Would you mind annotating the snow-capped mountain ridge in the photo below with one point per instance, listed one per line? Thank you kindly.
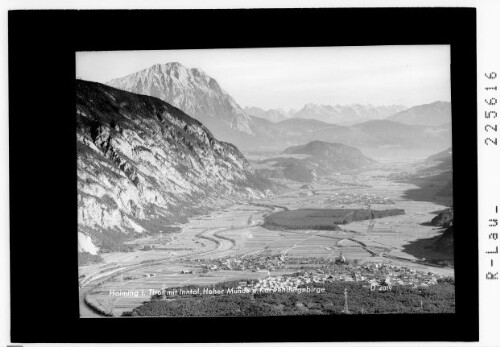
(334, 114)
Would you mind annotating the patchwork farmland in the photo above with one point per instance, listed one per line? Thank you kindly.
(234, 243)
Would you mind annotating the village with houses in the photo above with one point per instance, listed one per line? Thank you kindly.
(357, 198)
(290, 274)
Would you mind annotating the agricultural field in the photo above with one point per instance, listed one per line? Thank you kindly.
(239, 233)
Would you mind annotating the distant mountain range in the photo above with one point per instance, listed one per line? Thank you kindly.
(433, 114)
(144, 165)
(375, 138)
(338, 114)
(346, 114)
(377, 130)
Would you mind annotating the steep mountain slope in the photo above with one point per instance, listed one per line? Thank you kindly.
(195, 93)
(144, 165)
(445, 241)
(434, 178)
(323, 159)
(346, 114)
(443, 219)
(432, 114)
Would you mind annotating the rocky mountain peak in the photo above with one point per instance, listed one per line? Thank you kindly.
(194, 92)
(142, 163)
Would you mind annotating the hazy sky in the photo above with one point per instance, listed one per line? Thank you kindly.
(292, 77)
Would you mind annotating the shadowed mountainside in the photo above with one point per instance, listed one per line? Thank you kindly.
(443, 219)
(144, 164)
(444, 243)
(435, 181)
(438, 249)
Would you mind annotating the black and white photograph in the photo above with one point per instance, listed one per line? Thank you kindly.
(290, 181)
(265, 174)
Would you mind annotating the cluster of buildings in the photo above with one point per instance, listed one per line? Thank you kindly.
(316, 270)
(271, 262)
(373, 276)
(362, 199)
(398, 275)
(379, 274)
(347, 183)
(284, 283)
